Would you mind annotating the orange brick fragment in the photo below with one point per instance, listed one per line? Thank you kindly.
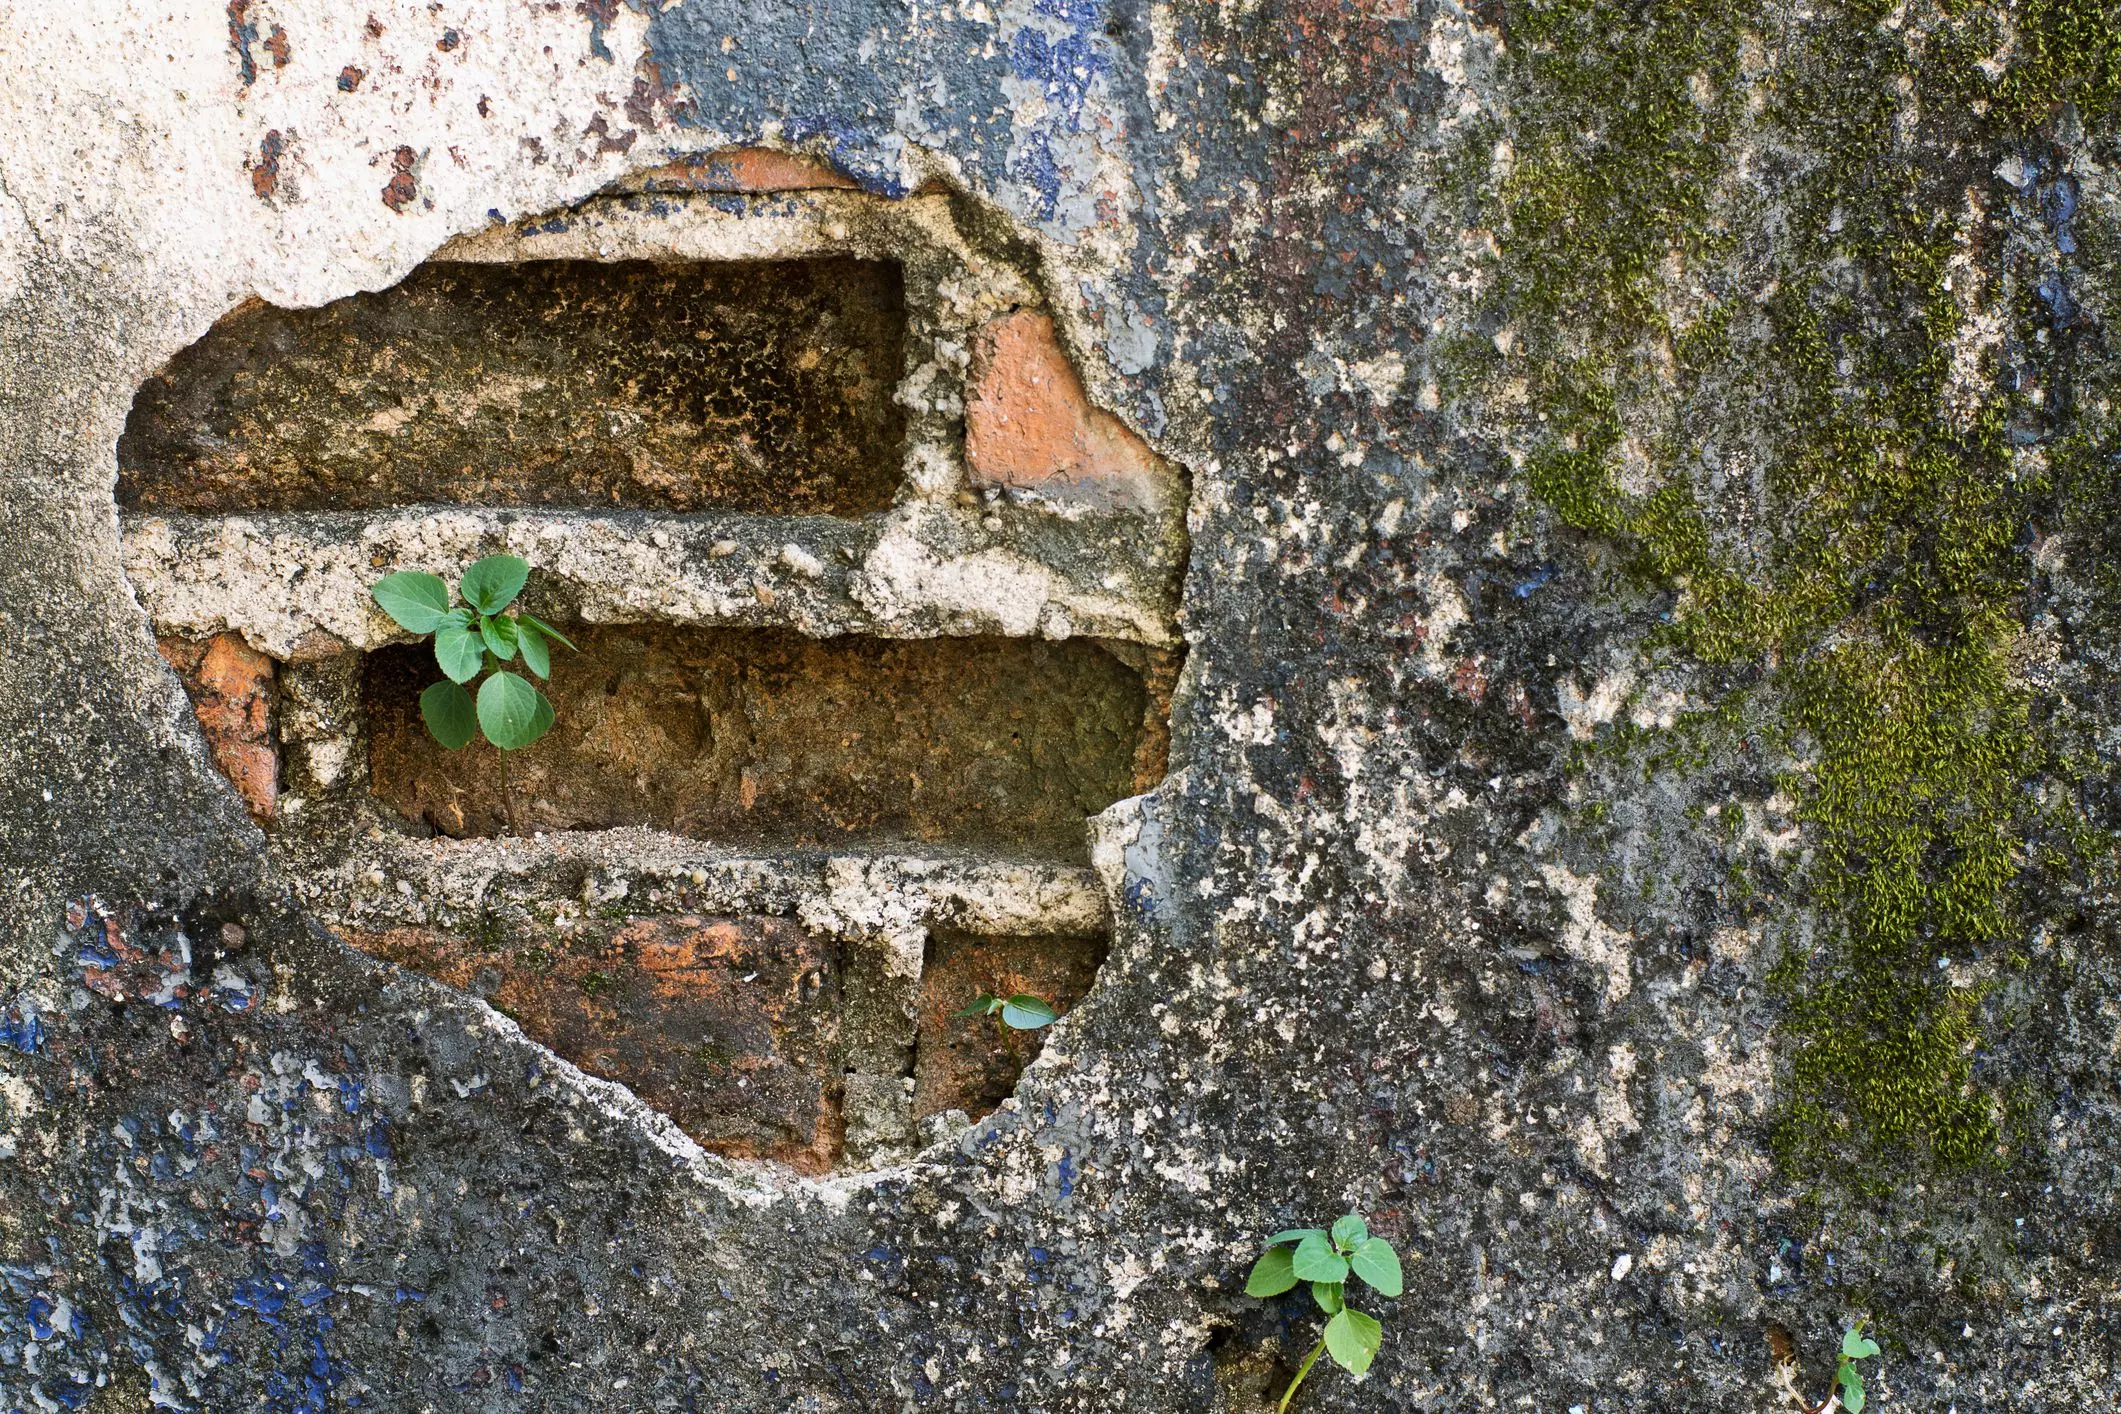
(1030, 425)
(231, 689)
(751, 170)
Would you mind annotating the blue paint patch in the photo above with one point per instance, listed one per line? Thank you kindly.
(1537, 580)
(21, 1029)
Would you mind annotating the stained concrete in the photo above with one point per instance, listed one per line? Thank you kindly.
(1391, 935)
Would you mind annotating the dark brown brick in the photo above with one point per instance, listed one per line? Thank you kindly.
(728, 1025)
(969, 1063)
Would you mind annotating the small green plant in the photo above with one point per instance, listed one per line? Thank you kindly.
(1326, 1259)
(1848, 1381)
(1021, 1012)
(473, 637)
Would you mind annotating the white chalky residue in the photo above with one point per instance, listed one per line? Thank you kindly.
(1587, 937)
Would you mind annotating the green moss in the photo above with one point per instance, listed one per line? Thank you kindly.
(1676, 305)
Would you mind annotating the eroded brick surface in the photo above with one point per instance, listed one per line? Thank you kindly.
(231, 689)
(771, 737)
(761, 387)
(970, 1063)
(1030, 425)
(728, 1025)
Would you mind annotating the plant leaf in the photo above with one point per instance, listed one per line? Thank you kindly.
(417, 601)
(1851, 1390)
(462, 616)
(512, 713)
(493, 582)
(1350, 1232)
(549, 631)
(985, 1004)
(1376, 1263)
(1856, 1345)
(1353, 1340)
(1271, 1274)
(446, 708)
(1294, 1234)
(500, 636)
(1317, 1261)
(460, 652)
(1329, 1295)
(1028, 1013)
(536, 656)
(542, 722)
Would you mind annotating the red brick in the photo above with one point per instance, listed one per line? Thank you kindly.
(232, 694)
(1030, 425)
(745, 169)
(728, 1025)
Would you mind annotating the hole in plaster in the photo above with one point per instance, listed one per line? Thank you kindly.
(876, 608)
(761, 386)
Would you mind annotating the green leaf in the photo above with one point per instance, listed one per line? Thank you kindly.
(512, 713)
(1028, 1013)
(460, 652)
(1271, 1274)
(489, 585)
(549, 631)
(536, 656)
(1856, 1345)
(542, 722)
(1294, 1234)
(1851, 1389)
(1317, 1261)
(1329, 1295)
(500, 636)
(1350, 1232)
(985, 1004)
(462, 616)
(1353, 1340)
(417, 601)
(1376, 1263)
(446, 708)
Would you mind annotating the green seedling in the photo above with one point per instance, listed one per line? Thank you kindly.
(1848, 1380)
(474, 637)
(1021, 1012)
(1326, 1259)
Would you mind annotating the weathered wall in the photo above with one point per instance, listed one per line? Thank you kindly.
(1642, 798)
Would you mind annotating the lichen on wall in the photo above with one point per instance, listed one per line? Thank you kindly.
(1762, 328)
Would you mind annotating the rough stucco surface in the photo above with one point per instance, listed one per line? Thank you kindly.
(1362, 955)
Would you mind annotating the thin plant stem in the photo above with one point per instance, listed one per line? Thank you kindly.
(1309, 1360)
(508, 795)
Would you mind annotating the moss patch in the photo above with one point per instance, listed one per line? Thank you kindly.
(1745, 254)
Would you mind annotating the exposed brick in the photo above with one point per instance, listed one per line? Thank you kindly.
(1029, 424)
(232, 694)
(971, 1063)
(728, 1025)
(745, 169)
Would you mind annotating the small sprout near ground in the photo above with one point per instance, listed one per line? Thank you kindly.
(473, 637)
(1021, 1012)
(1326, 1259)
(1848, 1380)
